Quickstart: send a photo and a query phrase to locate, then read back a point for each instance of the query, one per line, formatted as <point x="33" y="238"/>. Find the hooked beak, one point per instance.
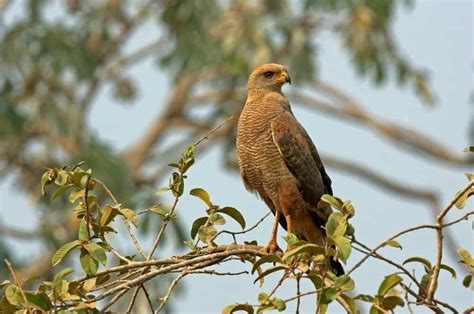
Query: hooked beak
<point x="285" y="78"/>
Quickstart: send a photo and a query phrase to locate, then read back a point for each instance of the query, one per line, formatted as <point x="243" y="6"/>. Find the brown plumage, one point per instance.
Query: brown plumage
<point x="278" y="160"/>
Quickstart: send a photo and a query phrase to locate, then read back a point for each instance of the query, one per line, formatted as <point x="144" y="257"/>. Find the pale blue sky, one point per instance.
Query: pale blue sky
<point x="437" y="35"/>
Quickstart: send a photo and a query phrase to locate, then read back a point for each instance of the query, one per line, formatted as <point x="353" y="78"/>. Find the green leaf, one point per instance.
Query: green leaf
<point x="290" y="239"/>
<point x="391" y="302"/>
<point x="344" y="248"/>
<point x="229" y="309"/>
<point x="312" y="249"/>
<point x="466" y="257"/>
<point x="189" y="244"/>
<point x="158" y="210"/>
<point x="202" y="194"/>
<point x="336" y="225"/>
<point x="418" y="259"/>
<point x="77" y="178"/>
<point x="328" y="295"/>
<point x="13" y="295"/>
<point x="63" y="251"/>
<point x="176" y="184"/>
<point x="424" y="283"/>
<point x="40" y="300"/>
<point x="196" y="225"/>
<point x="448" y="269"/>
<point x="58" y="279"/>
<point x="61" y="178"/>
<point x="270" y="258"/>
<point x="130" y="215"/>
<point x="45" y="180"/>
<point x="466" y="282"/>
<point x="88" y="264"/>
<point x="332" y="200"/>
<point x="102" y="279"/>
<point x="316" y="280"/>
<point x="162" y="190"/>
<point x="344" y="283"/>
<point x="83" y="234"/>
<point x="75" y="195"/>
<point x="279" y="305"/>
<point x="270" y="271"/>
<point x="262" y="298"/>
<point x="388" y="283"/>
<point x="89" y="283"/>
<point x="461" y="202"/>
<point x="393" y="243"/>
<point x="108" y="214"/>
<point x="365" y="298"/>
<point x="374" y="310"/>
<point x="235" y="214"/>
<point x="60" y="191"/>
<point x="216" y="219"/>
<point x="351" y="303"/>
<point x="348" y="209"/>
<point x="97" y="252"/>
<point x="207" y="234"/>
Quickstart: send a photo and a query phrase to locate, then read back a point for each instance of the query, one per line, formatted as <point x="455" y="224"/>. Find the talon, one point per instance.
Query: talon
<point x="271" y="247"/>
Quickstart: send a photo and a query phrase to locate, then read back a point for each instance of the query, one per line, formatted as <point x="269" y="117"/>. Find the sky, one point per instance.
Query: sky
<point x="436" y="35"/>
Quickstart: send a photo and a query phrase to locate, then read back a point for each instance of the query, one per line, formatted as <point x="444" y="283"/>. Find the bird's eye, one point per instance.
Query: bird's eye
<point x="268" y="74"/>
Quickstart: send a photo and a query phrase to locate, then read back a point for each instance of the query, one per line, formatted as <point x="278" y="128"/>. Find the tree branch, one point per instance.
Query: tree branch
<point x="439" y="241"/>
<point x="412" y="139"/>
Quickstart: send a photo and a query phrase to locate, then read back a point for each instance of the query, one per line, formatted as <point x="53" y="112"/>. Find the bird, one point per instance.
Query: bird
<point x="279" y="162"/>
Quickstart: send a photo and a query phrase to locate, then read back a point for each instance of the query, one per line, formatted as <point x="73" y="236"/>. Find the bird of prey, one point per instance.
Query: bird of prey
<point x="278" y="160"/>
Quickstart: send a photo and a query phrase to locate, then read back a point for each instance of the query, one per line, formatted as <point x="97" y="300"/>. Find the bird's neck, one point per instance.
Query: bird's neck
<point x="269" y="101"/>
<point x="259" y="92"/>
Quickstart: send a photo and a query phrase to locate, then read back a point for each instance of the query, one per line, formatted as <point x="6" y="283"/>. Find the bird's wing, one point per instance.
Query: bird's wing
<point x="301" y="157"/>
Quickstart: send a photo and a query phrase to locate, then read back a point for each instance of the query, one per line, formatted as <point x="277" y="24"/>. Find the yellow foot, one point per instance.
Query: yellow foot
<point x="271" y="247"/>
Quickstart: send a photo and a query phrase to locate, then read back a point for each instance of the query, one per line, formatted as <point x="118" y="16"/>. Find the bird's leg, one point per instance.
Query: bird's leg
<point x="272" y="245"/>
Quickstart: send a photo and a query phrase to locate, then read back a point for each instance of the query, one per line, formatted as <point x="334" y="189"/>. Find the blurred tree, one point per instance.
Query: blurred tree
<point x="55" y="58"/>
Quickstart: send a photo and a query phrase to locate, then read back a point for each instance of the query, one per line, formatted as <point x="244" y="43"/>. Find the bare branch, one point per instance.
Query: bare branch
<point x="8" y="231"/>
<point x="137" y="154"/>
<point x="412" y="139"/>
<point x="381" y="181"/>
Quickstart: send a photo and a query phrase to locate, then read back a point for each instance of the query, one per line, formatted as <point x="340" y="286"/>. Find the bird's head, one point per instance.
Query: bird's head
<point x="270" y="76"/>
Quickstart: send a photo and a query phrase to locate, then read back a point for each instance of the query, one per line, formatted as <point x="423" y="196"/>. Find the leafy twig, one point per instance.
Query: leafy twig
<point x="125" y="221"/>
<point x="17" y="282"/>
<point x="439" y="246"/>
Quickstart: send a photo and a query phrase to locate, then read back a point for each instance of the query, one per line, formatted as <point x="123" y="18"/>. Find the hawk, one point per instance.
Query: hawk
<point x="278" y="160"/>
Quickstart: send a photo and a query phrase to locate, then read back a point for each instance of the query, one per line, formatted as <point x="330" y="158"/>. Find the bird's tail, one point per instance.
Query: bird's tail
<point x="310" y="229"/>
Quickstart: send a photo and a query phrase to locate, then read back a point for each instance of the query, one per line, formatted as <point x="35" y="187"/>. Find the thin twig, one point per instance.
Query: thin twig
<point x="17" y="282"/>
<point x="114" y="299"/>
<point x="439" y="242"/>
<point x="298" y="292"/>
<point x="205" y="137"/>
<point x="125" y="220"/>
<point x="234" y="233"/>
<point x="378" y="256"/>
<point x="214" y="272"/>
<point x="86" y="205"/>
<point x="147" y="295"/>
<point x="166" y="297"/>
<point x="279" y="283"/>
